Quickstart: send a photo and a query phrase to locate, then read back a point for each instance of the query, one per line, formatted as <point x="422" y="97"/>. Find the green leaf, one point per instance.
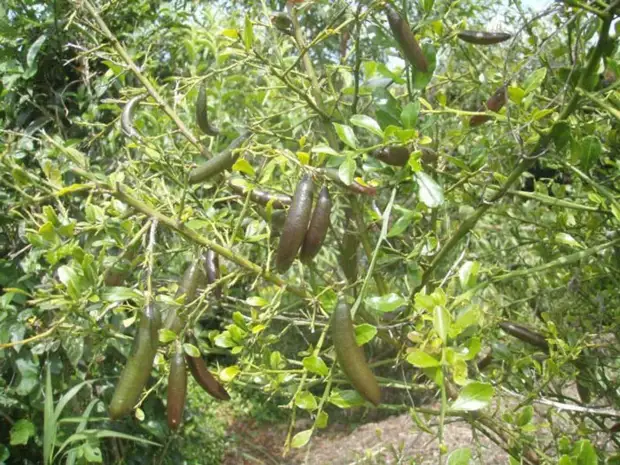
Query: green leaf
<point x="402" y="223"/>
<point x="587" y="152"/>
<point x="428" y="5"/>
<point x="459" y="372"/>
<point x="305" y="401"/>
<point x="256" y="301"/>
<point x="585" y="453"/>
<point x="301" y="439"/>
<point x="567" y="239"/>
<point x="21" y="431"/>
<point x="385" y="303"/>
<point x="346" y="135"/>
<point x="224" y="340"/>
<point x="166" y="336"/>
<point x="229" y="373"/>
<point x="516" y="94"/>
<point x="460" y="456"/>
<point x="474" y="396"/>
<point x="248" y="33"/>
<point x="409" y="115"/>
<point x="324" y="149"/>
<point x="316" y="365"/>
<point x="243" y="166"/>
<point x="368" y="123"/>
<point x="561" y="133"/>
<point x="33" y="51"/>
<point x="534" y="80"/>
<point x="468" y="274"/>
<point x="422" y="360"/>
<point x="118" y="294"/>
<point x="321" y="420"/>
<point x="191" y="350"/>
<point x="92" y="453"/>
<point x="346" y="172"/>
<point x="49" y="422"/>
<point x="431" y="193"/>
<point x="346" y="399"/>
<point x="525" y="416"/>
<point x="364" y="333"/>
<point x="441" y="322"/>
<point x="467" y="318"/>
<point x="29" y="376"/>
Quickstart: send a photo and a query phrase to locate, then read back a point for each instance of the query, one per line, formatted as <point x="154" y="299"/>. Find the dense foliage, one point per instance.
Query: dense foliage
<point x="498" y="215"/>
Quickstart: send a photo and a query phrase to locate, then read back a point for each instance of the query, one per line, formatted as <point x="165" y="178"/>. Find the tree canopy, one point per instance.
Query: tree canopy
<point x="159" y="161"/>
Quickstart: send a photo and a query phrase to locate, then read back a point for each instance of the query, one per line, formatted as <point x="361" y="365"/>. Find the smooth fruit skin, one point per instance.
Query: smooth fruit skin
<point x="177" y="388"/>
<point x="405" y="38"/>
<point x="221" y="162"/>
<point x="212" y="270"/>
<point x="494" y="103"/>
<point x="348" y="252"/>
<point x="393" y="155"/>
<point x="525" y="334"/>
<point x="351" y="357"/>
<point x="198" y="369"/>
<point x="138" y="368"/>
<point x="262" y="197"/>
<point x="483" y="38"/>
<point x="127" y="117"/>
<point x="295" y="225"/>
<point x="188" y="286"/>
<point x="318" y="227"/>
<point x="202" y="116"/>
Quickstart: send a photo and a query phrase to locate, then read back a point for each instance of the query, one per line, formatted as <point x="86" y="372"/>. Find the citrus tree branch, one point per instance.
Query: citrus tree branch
<point x="526" y="163"/>
<point x="148" y="85"/>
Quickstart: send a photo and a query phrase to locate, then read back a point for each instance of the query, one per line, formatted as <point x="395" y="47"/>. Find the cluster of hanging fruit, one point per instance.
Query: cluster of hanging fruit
<point x="137" y="370"/>
<point x="415" y="56"/>
<point x="303" y="233"/>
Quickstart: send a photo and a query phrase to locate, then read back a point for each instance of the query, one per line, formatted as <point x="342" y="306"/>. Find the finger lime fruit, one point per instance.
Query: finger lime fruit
<point x="318" y="227"/>
<point x="138" y="368"/>
<point x="177" y="388"/>
<point x="295" y="225"/>
<point x="405" y="38"/>
<point x="351" y="357"/>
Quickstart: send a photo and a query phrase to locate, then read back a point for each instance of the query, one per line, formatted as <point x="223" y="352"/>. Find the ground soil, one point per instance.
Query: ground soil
<point x="394" y="440"/>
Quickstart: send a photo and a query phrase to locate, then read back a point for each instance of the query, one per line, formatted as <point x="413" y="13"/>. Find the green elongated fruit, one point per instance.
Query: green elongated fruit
<point x="212" y="270"/>
<point x="318" y="227"/>
<point x="295" y="225"/>
<point x="260" y="196"/>
<point x="202" y="375"/>
<point x="188" y="286"/>
<point x="525" y="334"/>
<point x="351" y="357"/>
<point x="393" y="155"/>
<point x="202" y="115"/>
<point x="221" y="162"/>
<point x="177" y="388"/>
<point x="348" y="252"/>
<point x="138" y="368"/>
<point x="405" y="38"/>
<point x="494" y="103"/>
<point x="483" y="38"/>
<point x="355" y="186"/>
<point x="127" y="117"/>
